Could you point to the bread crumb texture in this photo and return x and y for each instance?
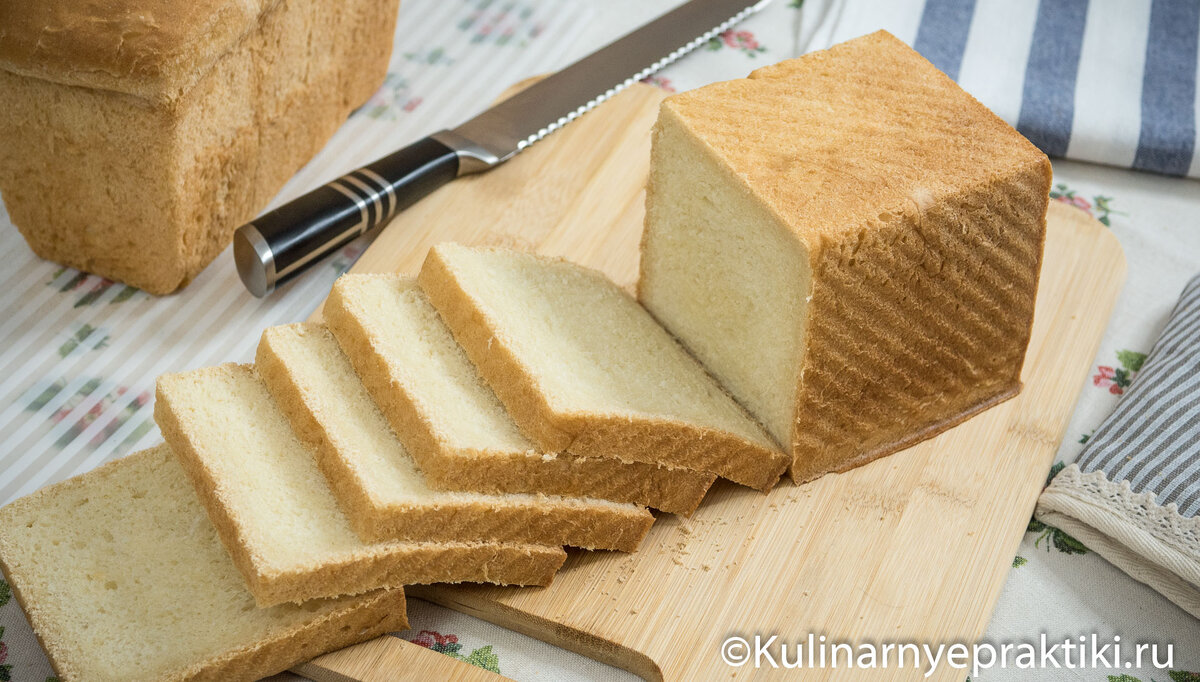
(278, 516)
(124, 578)
(378, 484)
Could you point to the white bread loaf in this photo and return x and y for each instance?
(850, 243)
(136, 135)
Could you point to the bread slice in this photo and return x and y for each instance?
(123, 577)
(452, 423)
(582, 367)
(376, 481)
(851, 243)
(277, 515)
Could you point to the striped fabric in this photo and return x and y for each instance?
(1108, 81)
(1133, 495)
(1152, 439)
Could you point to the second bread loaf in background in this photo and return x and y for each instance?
(136, 135)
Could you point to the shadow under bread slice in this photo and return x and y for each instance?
(376, 481)
(453, 424)
(123, 577)
(276, 513)
(582, 367)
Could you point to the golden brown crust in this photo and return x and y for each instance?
(874, 159)
(669, 489)
(418, 563)
(631, 439)
(672, 490)
(152, 189)
(804, 471)
(363, 618)
(681, 445)
(910, 371)
(377, 614)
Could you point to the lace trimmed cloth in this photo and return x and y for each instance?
(1133, 495)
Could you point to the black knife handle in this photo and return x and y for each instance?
(280, 244)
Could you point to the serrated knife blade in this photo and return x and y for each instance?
(537, 111)
(284, 242)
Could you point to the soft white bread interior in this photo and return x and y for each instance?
(582, 367)
(376, 481)
(277, 515)
(123, 577)
(453, 424)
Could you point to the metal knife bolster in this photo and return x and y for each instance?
(473, 157)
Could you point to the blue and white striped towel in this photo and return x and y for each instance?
(1134, 493)
(1108, 81)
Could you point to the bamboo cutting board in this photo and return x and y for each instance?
(914, 547)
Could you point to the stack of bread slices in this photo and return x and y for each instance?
(462, 426)
(857, 290)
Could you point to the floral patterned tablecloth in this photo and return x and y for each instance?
(1056, 587)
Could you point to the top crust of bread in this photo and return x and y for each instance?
(813, 178)
(154, 50)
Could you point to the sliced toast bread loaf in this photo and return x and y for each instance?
(851, 243)
(124, 578)
(452, 423)
(275, 511)
(377, 482)
(582, 367)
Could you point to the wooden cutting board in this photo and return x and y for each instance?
(914, 547)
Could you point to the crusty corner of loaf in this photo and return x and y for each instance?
(803, 470)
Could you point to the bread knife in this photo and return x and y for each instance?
(282, 243)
